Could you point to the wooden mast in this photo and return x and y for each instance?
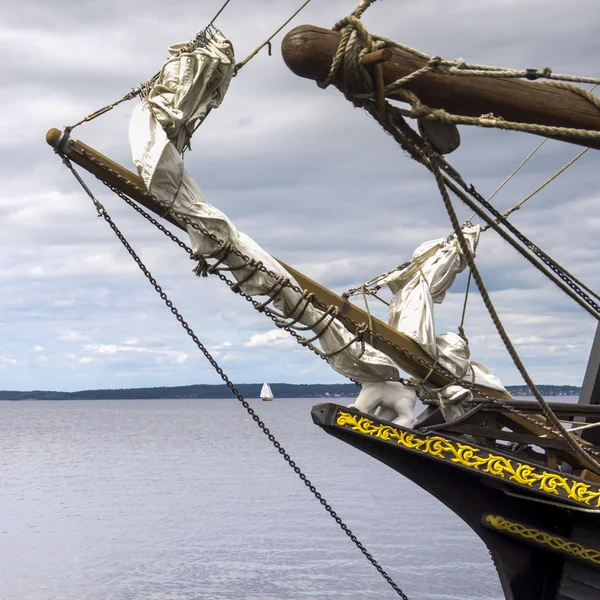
(308, 51)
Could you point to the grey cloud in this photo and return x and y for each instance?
(313, 180)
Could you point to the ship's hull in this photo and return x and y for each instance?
(547, 549)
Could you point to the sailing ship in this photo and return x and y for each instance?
(526, 485)
(266, 395)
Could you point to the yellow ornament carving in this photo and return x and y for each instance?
(531, 476)
(544, 538)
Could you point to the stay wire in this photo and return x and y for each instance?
(267, 42)
(140, 89)
(102, 212)
(218, 13)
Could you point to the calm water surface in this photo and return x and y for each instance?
(186, 499)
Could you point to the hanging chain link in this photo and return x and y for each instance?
(102, 212)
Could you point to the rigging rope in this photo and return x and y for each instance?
(547, 411)
(409, 140)
(518, 205)
(348, 54)
(102, 212)
(267, 42)
(200, 38)
(506, 214)
(357, 79)
(461, 327)
(235, 287)
(219, 12)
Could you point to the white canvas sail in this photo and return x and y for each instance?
(265, 392)
(191, 83)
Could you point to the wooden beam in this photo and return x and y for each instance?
(132, 185)
(308, 51)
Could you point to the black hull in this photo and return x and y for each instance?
(541, 551)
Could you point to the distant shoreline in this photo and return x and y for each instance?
(250, 390)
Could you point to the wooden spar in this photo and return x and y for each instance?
(308, 51)
(133, 186)
(125, 181)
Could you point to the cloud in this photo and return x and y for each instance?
(160, 354)
(273, 338)
(72, 336)
(309, 177)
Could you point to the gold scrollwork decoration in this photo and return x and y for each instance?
(471, 457)
(544, 538)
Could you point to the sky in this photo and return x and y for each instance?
(313, 180)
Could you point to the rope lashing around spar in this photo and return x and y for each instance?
(358, 85)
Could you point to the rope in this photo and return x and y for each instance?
(550, 502)
(423, 153)
(459, 67)
(200, 39)
(567, 282)
(525, 162)
(541, 187)
(224, 248)
(585, 458)
(515, 171)
(586, 426)
(267, 42)
(461, 329)
(368, 312)
(219, 12)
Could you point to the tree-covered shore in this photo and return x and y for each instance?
(251, 390)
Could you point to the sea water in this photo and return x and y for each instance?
(187, 499)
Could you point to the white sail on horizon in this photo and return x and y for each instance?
(265, 392)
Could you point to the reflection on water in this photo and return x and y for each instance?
(186, 499)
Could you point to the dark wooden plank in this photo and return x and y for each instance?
(590, 388)
(509, 436)
(530, 406)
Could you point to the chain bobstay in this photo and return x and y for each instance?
(103, 213)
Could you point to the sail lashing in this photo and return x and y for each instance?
(192, 82)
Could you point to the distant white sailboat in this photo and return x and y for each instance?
(266, 394)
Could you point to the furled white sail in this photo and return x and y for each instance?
(423, 283)
(266, 393)
(190, 84)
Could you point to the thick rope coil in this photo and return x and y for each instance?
(358, 85)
